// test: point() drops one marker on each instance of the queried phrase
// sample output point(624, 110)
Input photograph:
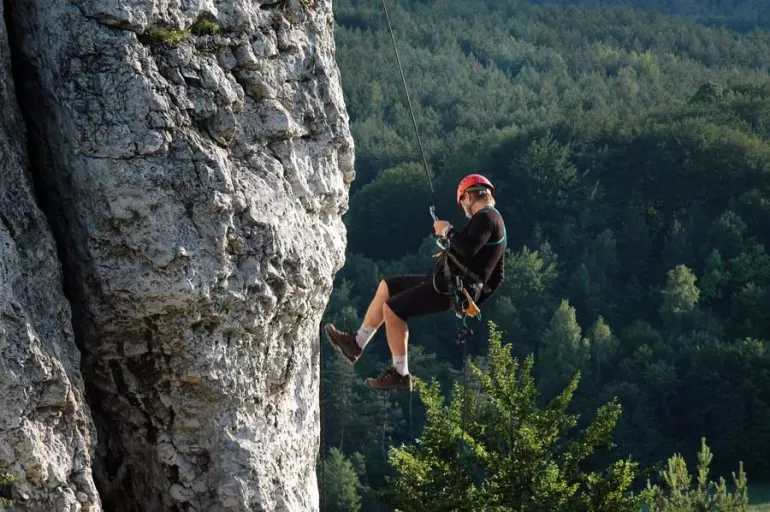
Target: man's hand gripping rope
point(441, 228)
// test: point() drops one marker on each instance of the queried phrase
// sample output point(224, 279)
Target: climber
point(479, 248)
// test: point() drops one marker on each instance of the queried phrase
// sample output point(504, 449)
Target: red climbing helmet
point(473, 180)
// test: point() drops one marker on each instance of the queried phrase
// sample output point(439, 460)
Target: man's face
point(465, 202)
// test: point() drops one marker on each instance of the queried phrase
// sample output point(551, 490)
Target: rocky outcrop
point(193, 158)
point(46, 433)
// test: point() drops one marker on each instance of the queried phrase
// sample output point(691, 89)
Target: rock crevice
point(46, 432)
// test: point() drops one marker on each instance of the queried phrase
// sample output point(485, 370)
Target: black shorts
point(413, 295)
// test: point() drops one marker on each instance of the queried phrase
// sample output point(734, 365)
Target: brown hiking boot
point(344, 343)
point(391, 379)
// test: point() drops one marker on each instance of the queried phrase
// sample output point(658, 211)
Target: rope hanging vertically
point(322, 445)
point(443, 246)
point(459, 466)
point(462, 416)
point(409, 103)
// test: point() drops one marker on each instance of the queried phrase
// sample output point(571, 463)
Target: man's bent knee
point(382, 289)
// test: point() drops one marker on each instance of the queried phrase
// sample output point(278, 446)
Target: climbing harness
point(453, 283)
point(456, 282)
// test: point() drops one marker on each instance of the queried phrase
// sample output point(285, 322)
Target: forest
point(741, 15)
point(628, 142)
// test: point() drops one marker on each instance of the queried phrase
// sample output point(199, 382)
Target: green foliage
point(623, 144)
point(721, 392)
point(493, 448)
point(546, 163)
point(564, 351)
point(205, 25)
point(169, 36)
point(342, 483)
point(728, 233)
point(286, 5)
point(677, 493)
point(741, 15)
point(715, 276)
point(525, 297)
point(401, 193)
point(490, 65)
point(708, 93)
point(339, 401)
point(680, 294)
point(603, 345)
point(6, 481)
point(344, 315)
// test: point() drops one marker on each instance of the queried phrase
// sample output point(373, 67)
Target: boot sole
point(389, 388)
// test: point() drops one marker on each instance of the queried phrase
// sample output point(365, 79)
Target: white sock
point(401, 365)
point(364, 334)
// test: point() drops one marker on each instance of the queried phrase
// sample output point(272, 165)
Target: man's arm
point(469, 240)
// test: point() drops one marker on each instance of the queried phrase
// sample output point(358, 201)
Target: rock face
point(194, 159)
point(46, 433)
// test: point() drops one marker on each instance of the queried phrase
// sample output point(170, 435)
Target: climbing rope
point(411, 111)
point(321, 419)
point(463, 331)
point(462, 411)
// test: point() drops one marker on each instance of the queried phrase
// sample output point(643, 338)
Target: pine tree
point(680, 295)
point(492, 448)
point(603, 345)
point(707, 496)
point(338, 400)
point(715, 276)
point(563, 351)
point(342, 483)
point(523, 302)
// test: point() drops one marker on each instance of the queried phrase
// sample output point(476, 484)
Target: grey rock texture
point(198, 181)
point(46, 432)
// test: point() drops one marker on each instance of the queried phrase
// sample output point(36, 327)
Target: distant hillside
point(743, 15)
point(489, 64)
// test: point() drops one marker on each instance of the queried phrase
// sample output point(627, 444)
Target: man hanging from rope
point(475, 255)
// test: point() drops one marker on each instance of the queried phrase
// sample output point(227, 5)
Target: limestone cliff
point(193, 159)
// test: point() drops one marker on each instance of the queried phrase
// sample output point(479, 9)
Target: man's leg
point(374, 315)
point(397, 333)
point(373, 318)
point(351, 344)
point(415, 301)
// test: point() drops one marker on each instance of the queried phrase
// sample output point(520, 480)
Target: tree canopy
point(630, 152)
